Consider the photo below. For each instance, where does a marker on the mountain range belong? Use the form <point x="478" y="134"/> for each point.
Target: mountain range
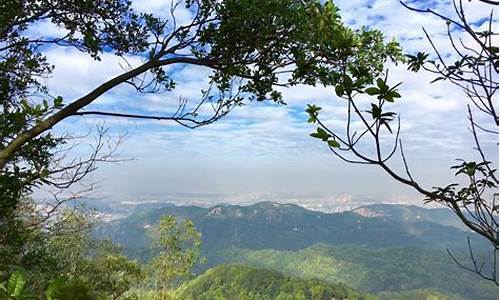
<point x="380" y="249"/>
<point x="268" y="225"/>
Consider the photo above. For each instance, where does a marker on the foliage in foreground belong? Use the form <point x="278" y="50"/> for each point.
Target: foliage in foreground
<point x="246" y="283"/>
<point x="72" y="265"/>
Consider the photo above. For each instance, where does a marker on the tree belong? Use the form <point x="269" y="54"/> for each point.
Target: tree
<point x="115" y="274"/>
<point x="70" y="288"/>
<point x="473" y="69"/>
<point x="178" y="246"/>
<point x="78" y="261"/>
<point x="61" y="254"/>
<point x="47" y="250"/>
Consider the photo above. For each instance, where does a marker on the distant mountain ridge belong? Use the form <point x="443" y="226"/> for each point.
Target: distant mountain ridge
<point x="269" y="225"/>
<point x="411" y="213"/>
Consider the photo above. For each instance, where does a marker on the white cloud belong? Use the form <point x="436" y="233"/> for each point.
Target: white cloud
<point x="76" y="73"/>
<point x="164" y="10"/>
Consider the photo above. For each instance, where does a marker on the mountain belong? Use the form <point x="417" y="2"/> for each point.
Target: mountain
<point x="376" y="249"/>
<point x="246" y="283"/>
<point x="371" y="270"/>
<point x="411" y="213"/>
<point x="268" y="225"/>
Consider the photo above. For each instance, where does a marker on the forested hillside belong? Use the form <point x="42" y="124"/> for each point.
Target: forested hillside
<point x="381" y="252"/>
<point x="245" y="283"/>
<point x="268" y="225"/>
<point x="368" y="269"/>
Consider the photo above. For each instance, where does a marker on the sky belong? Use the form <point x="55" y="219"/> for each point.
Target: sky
<point x="263" y="151"/>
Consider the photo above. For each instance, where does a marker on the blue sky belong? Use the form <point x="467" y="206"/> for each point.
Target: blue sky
<point x="262" y="151"/>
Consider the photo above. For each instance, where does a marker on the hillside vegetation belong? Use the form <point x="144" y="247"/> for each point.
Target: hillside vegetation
<point x="245" y="283"/>
<point x="369" y="269"/>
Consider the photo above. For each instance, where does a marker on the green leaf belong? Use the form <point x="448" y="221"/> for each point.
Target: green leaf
<point x="16" y="283"/>
<point x="312" y="119"/>
<point x="320" y="134"/>
<point x="58" y="101"/>
<point x="372" y="91"/>
<point x="312" y="109"/>
<point x="411" y="57"/>
<point x="323" y="134"/>
<point x="339" y="90"/>
<point x="388" y="114"/>
<point x="416" y="62"/>
<point x="388" y="127"/>
<point x="376" y="111"/>
<point x="437" y="79"/>
<point x="380" y="83"/>
<point x="394" y="94"/>
<point x="54" y="287"/>
<point x="25" y="105"/>
<point x="333" y="144"/>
